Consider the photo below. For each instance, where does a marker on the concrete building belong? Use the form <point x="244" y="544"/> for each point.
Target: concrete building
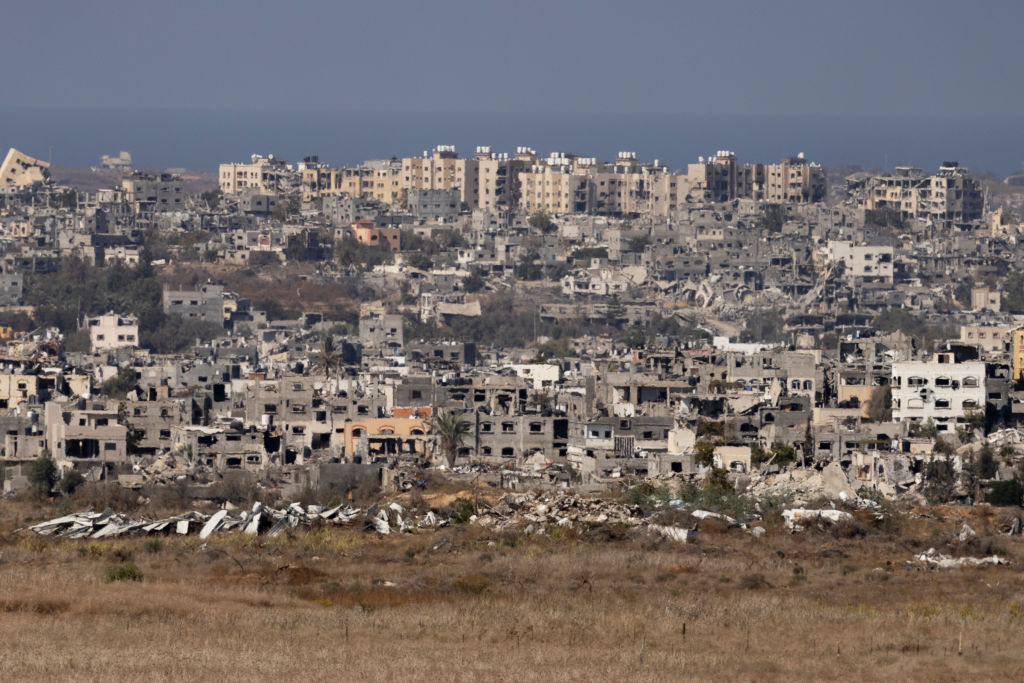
<point x="121" y="162"/>
<point x="990" y="339"/>
<point x="381" y="180"/>
<point x="205" y="303"/>
<point x="10" y="288"/>
<point x="947" y="198"/>
<point x="263" y="175"/>
<point x="793" y="181"/>
<point x="86" y="432"/>
<point x="986" y="298"/>
<point x="372" y="236"/>
<point x="109" y="332"/>
<point x="443" y="170"/>
<point x="154" y="193"/>
<point x="435" y="204"/>
<point x="941" y="390"/>
<point x="21" y="170"/>
<point x="864" y="263"/>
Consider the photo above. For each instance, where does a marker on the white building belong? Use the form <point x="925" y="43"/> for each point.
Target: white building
<point x="941" y="390"/>
<point x="863" y="262"/>
<point x="111" y="331"/>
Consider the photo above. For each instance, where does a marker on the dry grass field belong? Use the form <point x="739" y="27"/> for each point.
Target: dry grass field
<point x="466" y="604"/>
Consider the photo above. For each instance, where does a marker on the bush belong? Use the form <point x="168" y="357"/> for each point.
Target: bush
<point x="1005" y="493"/>
<point x="462" y="510"/>
<point x="753" y="582"/>
<point x="70" y="482"/>
<point x="123" y="572"/>
<point x="43" y="474"/>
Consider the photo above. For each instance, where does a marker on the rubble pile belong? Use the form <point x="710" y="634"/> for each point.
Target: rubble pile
<point x="259" y="520"/>
<point x="536" y="510"/>
<point x="936" y="560"/>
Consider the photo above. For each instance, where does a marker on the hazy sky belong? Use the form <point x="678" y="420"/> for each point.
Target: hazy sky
<point x="862" y="57"/>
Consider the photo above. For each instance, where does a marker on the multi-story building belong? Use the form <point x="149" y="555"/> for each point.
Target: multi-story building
<point x="111" y="331"/>
<point x="791" y="181"/>
<point x="205" y="303"/>
<point x="376" y="179"/>
<point x="263" y="175"/>
<point x="21" y="170"/>
<point x="990" y="339"/>
<point x="864" y="262"/>
<point x="154" y="193"/>
<point x="373" y="236"/>
<point x="443" y="170"/>
<point x="949" y="197"/>
<point x="498" y="177"/>
<point x="941" y="390"/>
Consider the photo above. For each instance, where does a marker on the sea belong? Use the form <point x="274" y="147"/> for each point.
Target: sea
<point x="198" y="139"/>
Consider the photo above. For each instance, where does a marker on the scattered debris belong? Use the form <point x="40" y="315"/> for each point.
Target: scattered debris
<point x="675" y="533"/>
<point x="798" y="517"/>
<point x="939" y="561"/>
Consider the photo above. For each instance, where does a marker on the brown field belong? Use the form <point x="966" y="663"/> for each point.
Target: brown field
<point x="467" y="604"/>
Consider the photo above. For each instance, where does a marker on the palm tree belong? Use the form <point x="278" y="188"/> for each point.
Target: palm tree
<point x="451" y="429"/>
<point x="328" y="356"/>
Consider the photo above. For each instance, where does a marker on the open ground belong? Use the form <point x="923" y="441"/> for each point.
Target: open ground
<point x="464" y="603"/>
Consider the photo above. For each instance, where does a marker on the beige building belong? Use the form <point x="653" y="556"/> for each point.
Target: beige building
<point x="160" y="192"/>
<point x="111" y="331"/>
<point x="791" y="181"/>
<point x="380" y="180"/>
<point x="263" y="175"/>
<point x="991" y="339"/>
<point x="21" y="170"/>
<point x="949" y="197"/>
<point x="443" y="170"/>
<point x="986" y="298"/>
<point x="498" y="184"/>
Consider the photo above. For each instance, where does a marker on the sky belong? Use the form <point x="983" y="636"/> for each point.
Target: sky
<point x="741" y="57"/>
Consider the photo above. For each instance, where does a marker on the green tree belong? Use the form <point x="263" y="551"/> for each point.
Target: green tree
<point x="704" y="453"/>
<point x="772" y="218"/>
<point x="327" y="356"/>
<point x="212" y="197"/>
<point x="419" y="260"/>
<point x="286" y="208"/>
<point x="120" y="384"/>
<point x="451" y="429"/>
<point x="70" y="482"/>
<point x="985" y="466"/>
<point x="541" y="220"/>
<point x="528" y="268"/>
<point x="939" y="480"/>
<point x="474" y="282"/>
<point x="42" y="475"/>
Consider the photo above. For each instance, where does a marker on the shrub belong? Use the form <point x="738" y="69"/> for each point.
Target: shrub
<point x="1005" y="493"/>
<point x="43" y="473"/>
<point x="753" y="582"/>
<point x="70" y="482"/>
<point x="123" y="572"/>
<point x="462" y="510"/>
